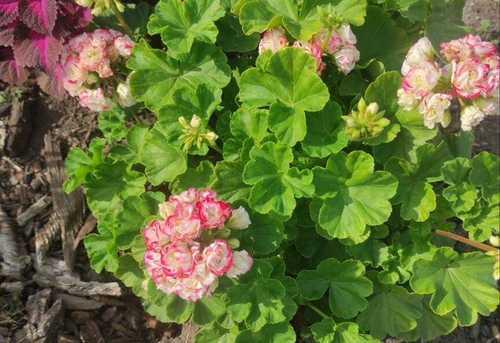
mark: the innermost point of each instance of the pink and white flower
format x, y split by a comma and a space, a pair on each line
242, 263
239, 220
421, 51
456, 50
434, 108
213, 213
313, 48
421, 80
124, 45
346, 58
470, 79
346, 35
95, 100
407, 100
218, 257
155, 235
177, 259
273, 40
470, 117
183, 228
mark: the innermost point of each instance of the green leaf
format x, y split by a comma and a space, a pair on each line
229, 182
415, 193
200, 177
327, 331
383, 91
484, 174
277, 333
371, 252
167, 308
102, 251
79, 164
163, 161
431, 326
391, 311
392, 49
482, 221
208, 309
258, 303
136, 213
182, 22
253, 123
347, 187
231, 37
460, 283
216, 333
445, 21
346, 281
113, 124
290, 85
325, 132
263, 236
156, 76
275, 184
131, 274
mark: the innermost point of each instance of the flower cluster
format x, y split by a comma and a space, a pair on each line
471, 75
88, 62
340, 43
187, 249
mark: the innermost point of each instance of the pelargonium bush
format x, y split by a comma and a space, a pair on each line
88, 62
289, 176
33, 34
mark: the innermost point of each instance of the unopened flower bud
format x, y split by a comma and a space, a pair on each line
372, 108
495, 241
239, 220
195, 122
211, 137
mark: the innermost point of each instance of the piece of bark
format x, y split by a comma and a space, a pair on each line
14, 259
43, 320
19, 126
54, 273
88, 227
45, 237
69, 208
67, 339
188, 334
73, 302
12, 287
90, 333
38, 207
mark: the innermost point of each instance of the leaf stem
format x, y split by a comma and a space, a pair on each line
461, 239
216, 148
121, 19
317, 310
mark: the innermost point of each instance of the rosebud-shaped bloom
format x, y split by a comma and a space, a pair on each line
421, 51
470, 117
434, 108
124, 45
421, 80
346, 58
313, 49
166, 209
74, 76
492, 83
346, 34
239, 220
406, 100
183, 228
470, 79
155, 235
95, 100
125, 97
273, 40
167, 284
213, 213
242, 263
177, 259
483, 50
456, 50
93, 54
190, 196
152, 263
335, 43
191, 289
218, 257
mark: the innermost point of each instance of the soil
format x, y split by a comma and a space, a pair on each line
103, 319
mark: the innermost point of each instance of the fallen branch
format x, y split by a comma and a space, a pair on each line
461, 239
45, 237
87, 228
34, 210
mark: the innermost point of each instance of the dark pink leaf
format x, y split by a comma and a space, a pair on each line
38, 50
52, 83
8, 11
7, 34
71, 19
10, 71
39, 15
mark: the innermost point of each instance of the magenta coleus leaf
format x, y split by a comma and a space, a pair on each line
10, 71
52, 83
38, 15
8, 11
71, 17
37, 49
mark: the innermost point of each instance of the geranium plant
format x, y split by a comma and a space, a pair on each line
296, 169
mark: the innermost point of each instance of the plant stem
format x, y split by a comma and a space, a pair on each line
121, 19
216, 148
317, 310
461, 239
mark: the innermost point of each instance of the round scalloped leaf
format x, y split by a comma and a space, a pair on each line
229, 183
391, 311
460, 283
277, 333
383, 91
181, 22
200, 177
208, 309
347, 187
327, 331
484, 174
263, 236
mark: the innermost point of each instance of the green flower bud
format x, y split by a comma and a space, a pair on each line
194, 134
367, 122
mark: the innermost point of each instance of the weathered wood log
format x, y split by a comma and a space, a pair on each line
73, 302
54, 273
90, 333
38, 207
69, 208
19, 126
14, 259
45, 237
